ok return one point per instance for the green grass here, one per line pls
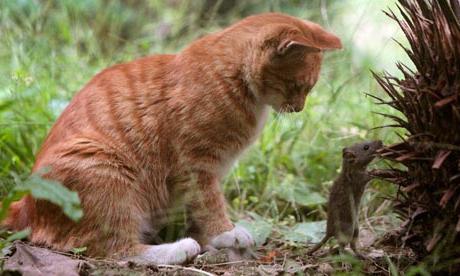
(50, 49)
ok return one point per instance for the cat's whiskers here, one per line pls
(280, 120)
(276, 122)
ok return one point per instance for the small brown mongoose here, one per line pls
(346, 193)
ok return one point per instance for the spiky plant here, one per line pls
(428, 98)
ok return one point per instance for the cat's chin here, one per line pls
(287, 109)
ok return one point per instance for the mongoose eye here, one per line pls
(366, 147)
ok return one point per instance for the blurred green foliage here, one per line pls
(50, 49)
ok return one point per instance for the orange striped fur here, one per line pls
(142, 134)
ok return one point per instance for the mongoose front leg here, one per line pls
(211, 224)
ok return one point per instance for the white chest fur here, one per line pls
(230, 157)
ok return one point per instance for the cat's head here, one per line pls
(284, 59)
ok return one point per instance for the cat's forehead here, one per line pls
(314, 33)
(265, 19)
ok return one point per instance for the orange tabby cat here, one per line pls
(144, 135)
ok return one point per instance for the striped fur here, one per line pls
(142, 134)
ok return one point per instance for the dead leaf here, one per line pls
(36, 261)
(445, 101)
(376, 253)
(366, 238)
(405, 156)
(433, 242)
(269, 269)
(410, 187)
(292, 267)
(270, 257)
(440, 158)
(446, 197)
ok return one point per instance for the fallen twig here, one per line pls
(187, 268)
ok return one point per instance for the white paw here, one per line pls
(186, 249)
(178, 252)
(238, 237)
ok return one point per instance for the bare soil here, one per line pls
(276, 257)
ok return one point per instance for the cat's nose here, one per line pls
(297, 108)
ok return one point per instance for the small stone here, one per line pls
(376, 253)
(325, 268)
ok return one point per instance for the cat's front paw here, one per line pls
(238, 237)
(175, 253)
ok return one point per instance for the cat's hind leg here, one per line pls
(112, 198)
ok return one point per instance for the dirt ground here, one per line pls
(276, 257)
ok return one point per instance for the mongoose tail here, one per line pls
(318, 245)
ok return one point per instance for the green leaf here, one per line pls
(54, 192)
(294, 190)
(300, 195)
(18, 235)
(5, 241)
(306, 232)
(78, 250)
(259, 229)
(12, 196)
(5, 104)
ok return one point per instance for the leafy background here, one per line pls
(50, 49)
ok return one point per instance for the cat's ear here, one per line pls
(322, 38)
(321, 41)
(296, 44)
(327, 41)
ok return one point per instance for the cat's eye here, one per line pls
(297, 87)
(366, 147)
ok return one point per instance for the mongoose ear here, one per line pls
(348, 155)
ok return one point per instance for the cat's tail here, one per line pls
(318, 245)
(18, 215)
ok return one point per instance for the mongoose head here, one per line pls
(360, 155)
